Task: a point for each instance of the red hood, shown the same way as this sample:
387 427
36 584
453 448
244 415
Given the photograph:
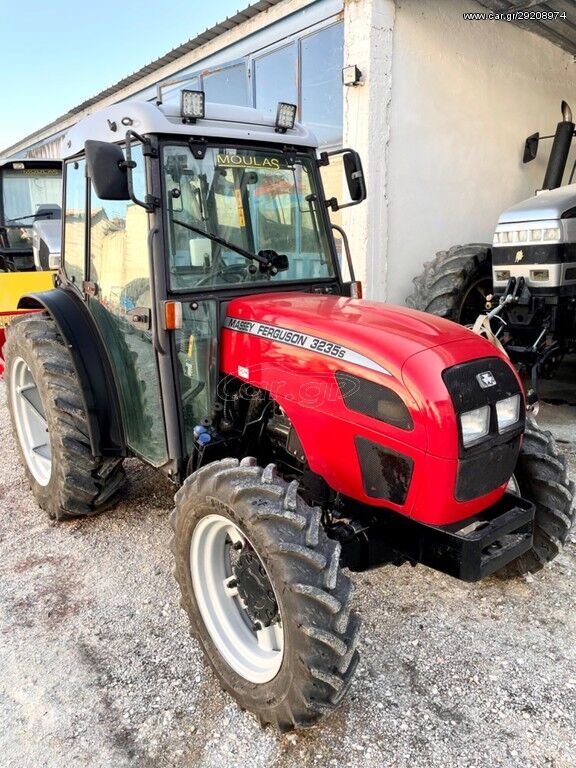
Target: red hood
384 333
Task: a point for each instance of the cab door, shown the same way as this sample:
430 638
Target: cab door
117 285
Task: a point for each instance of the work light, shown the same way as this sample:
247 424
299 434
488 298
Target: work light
192 105
475 424
507 412
285 116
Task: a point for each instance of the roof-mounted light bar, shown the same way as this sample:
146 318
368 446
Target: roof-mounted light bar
285 116
192 105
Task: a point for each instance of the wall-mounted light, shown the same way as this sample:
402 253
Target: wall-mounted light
351 75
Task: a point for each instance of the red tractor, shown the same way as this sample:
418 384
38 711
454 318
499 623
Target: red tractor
206 327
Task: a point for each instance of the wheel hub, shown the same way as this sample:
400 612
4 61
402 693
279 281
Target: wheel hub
255 590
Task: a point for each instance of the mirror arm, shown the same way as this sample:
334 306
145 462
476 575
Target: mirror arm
346 244
151 202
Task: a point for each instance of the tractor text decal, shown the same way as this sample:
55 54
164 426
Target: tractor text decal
247 161
302 340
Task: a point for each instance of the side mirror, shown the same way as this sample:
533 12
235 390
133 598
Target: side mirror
531 148
354 177
105 166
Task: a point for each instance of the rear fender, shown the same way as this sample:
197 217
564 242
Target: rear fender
92 366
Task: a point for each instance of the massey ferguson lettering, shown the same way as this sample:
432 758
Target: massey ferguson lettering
279 334
302 340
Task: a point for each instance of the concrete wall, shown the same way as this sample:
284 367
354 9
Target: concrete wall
464 97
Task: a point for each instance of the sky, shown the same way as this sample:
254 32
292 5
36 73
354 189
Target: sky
55 55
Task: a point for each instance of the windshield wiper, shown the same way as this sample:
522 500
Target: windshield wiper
270 262
31 216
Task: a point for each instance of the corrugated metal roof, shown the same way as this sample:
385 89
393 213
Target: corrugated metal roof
190 45
561 32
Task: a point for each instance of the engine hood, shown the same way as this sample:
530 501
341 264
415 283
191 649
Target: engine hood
380 337
547 205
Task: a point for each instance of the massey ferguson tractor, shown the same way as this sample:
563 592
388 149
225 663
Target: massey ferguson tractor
525 282
30 198
201 322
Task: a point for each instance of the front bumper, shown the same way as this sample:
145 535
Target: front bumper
469 550
474 548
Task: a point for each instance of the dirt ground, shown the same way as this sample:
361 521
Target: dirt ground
97 667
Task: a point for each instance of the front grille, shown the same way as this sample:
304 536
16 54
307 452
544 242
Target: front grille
485 466
385 473
486 471
465 390
543 253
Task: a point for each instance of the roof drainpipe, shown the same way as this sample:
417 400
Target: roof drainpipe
560 149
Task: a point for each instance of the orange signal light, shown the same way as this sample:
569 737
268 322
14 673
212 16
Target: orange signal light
356 289
172 315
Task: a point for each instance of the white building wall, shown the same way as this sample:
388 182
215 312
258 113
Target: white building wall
464 97
368 30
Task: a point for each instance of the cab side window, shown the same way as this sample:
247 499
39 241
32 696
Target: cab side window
75 221
120 272
118 250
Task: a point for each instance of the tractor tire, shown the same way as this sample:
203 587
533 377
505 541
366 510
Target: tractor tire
314 657
66 480
541 476
455 283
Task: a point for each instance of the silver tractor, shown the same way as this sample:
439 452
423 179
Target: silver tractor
524 284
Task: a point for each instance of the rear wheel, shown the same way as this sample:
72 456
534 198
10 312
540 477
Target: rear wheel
262 586
541 476
455 284
50 424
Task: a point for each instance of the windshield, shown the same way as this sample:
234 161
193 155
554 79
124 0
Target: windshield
254 200
22 192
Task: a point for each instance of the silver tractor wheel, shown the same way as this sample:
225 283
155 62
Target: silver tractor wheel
236 599
30 422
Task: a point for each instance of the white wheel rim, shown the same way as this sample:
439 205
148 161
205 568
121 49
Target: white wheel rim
254 654
31 424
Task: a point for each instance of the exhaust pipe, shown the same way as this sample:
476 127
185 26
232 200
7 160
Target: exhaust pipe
560 149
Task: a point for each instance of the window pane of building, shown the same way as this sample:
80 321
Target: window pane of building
227 86
171 95
275 75
74 221
322 61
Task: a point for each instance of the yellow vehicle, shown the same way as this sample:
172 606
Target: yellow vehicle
13 285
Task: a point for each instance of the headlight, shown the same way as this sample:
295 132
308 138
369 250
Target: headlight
552 234
507 412
475 424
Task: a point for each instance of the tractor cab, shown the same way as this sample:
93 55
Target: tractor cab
182 212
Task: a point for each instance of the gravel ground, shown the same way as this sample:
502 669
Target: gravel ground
97 667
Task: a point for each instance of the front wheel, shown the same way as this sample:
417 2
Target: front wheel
262 586
541 476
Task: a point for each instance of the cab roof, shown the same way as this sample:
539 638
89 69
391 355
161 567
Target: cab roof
29 162
222 121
